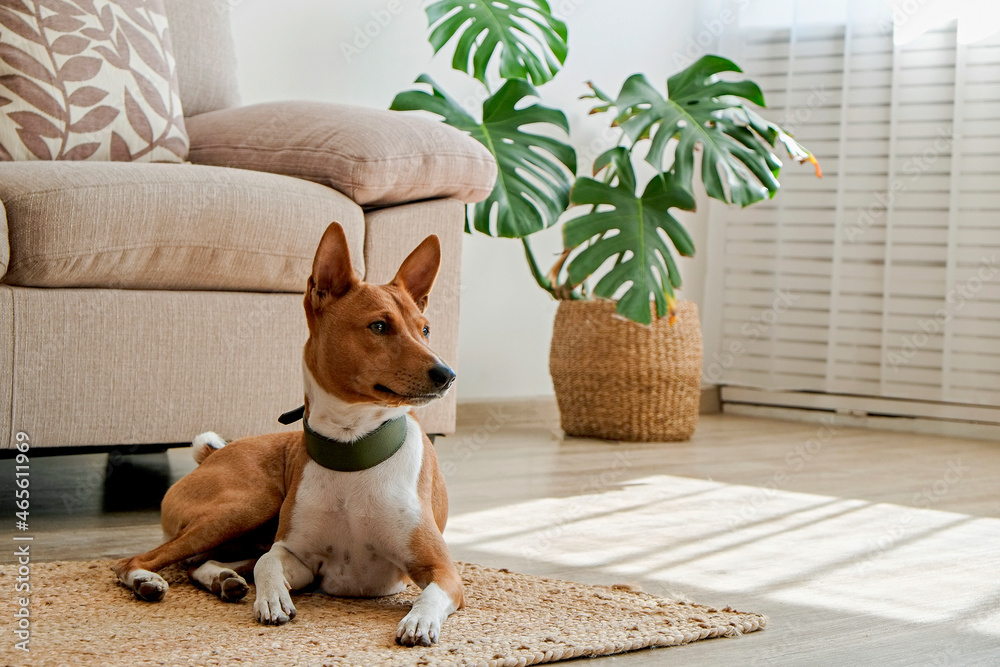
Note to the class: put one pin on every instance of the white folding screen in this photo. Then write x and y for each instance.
(882, 278)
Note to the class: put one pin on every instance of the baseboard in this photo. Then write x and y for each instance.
(899, 424)
(890, 414)
(711, 400)
(529, 411)
(874, 406)
(542, 410)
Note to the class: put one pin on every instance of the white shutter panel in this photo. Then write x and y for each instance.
(778, 255)
(917, 216)
(882, 279)
(972, 335)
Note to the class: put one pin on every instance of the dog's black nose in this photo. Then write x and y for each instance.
(441, 376)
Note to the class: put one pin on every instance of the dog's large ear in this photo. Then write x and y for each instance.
(332, 274)
(417, 273)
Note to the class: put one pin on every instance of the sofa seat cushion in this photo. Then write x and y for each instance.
(167, 226)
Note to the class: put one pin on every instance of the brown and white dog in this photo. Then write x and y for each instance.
(359, 533)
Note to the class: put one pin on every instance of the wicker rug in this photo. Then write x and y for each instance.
(81, 616)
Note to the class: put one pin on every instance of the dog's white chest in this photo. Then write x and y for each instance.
(352, 529)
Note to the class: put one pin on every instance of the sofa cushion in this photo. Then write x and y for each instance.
(166, 226)
(205, 54)
(375, 157)
(93, 80)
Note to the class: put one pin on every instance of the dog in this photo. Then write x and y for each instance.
(355, 503)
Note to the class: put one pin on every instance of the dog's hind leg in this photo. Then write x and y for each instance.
(139, 572)
(236, 492)
(211, 530)
(223, 579)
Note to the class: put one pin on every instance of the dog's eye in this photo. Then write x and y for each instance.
(379, 327)
(427, 331)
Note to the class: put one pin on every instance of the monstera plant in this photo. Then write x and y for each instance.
(508, 47)
(633, 226)
(511, 46)
(620, 251)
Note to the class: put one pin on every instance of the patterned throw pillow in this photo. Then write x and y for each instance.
(88, 80)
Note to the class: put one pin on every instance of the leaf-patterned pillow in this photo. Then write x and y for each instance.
(88, 80)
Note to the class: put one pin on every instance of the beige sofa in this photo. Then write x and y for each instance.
(142, 304)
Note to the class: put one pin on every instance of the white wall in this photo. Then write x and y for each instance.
(319, 50)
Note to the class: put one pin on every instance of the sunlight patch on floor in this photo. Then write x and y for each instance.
(904, 563)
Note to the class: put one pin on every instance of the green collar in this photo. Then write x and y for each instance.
(364, 453)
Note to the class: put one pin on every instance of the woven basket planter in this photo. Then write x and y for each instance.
(618, 380)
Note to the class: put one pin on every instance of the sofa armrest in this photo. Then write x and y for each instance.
(375, 157)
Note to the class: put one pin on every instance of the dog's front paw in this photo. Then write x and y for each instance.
(273, 607)
(418, 628)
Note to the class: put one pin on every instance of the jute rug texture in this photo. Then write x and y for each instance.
(81, 616)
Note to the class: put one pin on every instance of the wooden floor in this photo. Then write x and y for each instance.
(863, 547)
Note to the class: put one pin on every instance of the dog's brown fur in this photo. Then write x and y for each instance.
(230, 502)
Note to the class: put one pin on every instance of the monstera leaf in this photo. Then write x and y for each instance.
(703, 110)
(531, 42)
(535, 171)
(636, 231)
